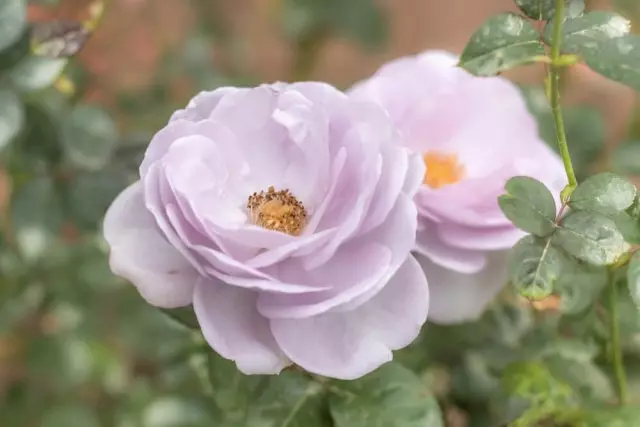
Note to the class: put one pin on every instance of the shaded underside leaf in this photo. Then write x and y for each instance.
(504, 41)
(534, 267)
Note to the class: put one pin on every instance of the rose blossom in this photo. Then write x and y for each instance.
(285, 215)
(474, 133)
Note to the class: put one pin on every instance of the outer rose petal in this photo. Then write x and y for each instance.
(350, 344)
(488, 238)
(461, 260)
(458, 297)
(233, 327)
(201, 105)
(141, 255)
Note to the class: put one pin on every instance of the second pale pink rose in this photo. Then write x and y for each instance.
(474, 134)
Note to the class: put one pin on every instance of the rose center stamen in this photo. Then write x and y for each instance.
(442, 169)
(277, 210)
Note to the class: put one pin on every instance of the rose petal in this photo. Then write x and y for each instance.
(395, 165)
(201, 106)
(140, 254)
(352, 272)
(348, 345)
(457, 297)
(234, 329)
(487, 238)
(429, 244)
(359, 268)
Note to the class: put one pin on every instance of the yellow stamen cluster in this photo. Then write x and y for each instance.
(278, 211)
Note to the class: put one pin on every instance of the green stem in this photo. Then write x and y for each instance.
(554, 79)
(616, 350)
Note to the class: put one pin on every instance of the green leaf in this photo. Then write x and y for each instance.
(590, 237)
(41, 138)
(629, 227)
(546, 395)
(586, 31)
(473, 378)
(617, 59)
(504, 41)
(36, 72)
(534, 267)
(91, 193)
(233, 392)
(543, 10)
(529, 205)
(15, 53)
(579, 286)
(606, 193)
(183, 315)
(625, 416)
(390, 396)
(290, 399)
(583, 375)
(11, 117)
(633, 278)
(13, 19)
(532, 380)
(90, 137)
(36, 216)
(626, 159)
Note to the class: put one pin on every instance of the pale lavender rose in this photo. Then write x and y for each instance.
(474, 133)
(285, 215)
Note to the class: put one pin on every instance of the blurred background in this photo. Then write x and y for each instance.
(78, 347)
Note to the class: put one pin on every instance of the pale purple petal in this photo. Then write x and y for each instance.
(429, 244)
(140, 254)
(361, 267)
(487, 238)
(458, 297)
(234, 329)
(201, 106)
(350, 344)
(394, 170)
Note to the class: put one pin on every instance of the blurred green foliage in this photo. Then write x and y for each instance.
(79, 347)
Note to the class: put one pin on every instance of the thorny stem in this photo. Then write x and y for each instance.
(554, 79)
(616, 351)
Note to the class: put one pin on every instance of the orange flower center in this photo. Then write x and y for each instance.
(442, 169)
